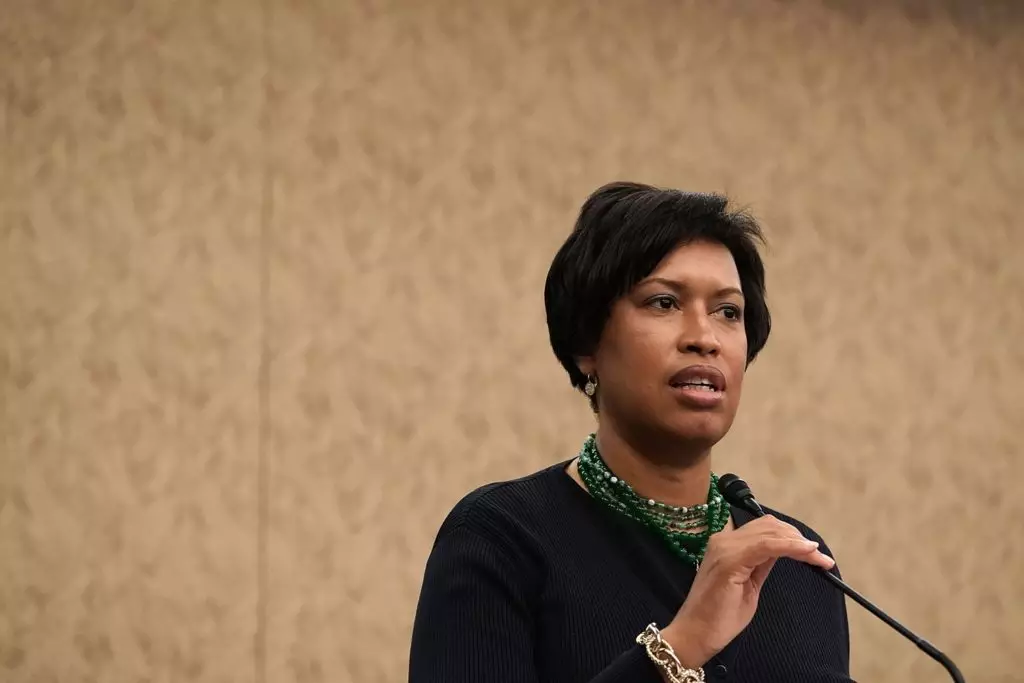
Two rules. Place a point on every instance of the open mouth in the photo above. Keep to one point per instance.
(699, 385)
(699, 378)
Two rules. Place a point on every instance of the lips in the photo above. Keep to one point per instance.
(699, 378)
(699, 387)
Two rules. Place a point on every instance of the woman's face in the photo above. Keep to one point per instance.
(672, 355)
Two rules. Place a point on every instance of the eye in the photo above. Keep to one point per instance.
(662, 302)
(731, 312)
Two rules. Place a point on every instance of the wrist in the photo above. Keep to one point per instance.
(686, 643)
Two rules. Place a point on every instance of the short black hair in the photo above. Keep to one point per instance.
(624, 230)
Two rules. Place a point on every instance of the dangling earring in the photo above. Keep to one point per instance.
(590, 388)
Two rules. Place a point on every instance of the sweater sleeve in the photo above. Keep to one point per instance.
(839, 600)
(475, 618)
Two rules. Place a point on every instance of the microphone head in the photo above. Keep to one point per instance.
(734, 490)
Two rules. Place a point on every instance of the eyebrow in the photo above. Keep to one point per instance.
(680, 287)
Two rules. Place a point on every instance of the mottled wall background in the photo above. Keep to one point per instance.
(271, 303)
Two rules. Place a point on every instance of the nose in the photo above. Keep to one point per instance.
(698, 336)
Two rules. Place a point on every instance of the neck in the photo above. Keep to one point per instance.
(670, 474)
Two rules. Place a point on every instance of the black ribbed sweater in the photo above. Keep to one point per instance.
(534, 581)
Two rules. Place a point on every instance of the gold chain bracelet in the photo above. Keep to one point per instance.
(664, 657)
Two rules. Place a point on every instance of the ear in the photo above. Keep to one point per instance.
(586, 364)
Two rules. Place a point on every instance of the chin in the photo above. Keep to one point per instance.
(706, 429)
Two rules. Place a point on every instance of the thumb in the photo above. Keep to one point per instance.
(760, 574)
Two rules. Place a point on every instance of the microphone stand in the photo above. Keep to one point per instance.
(752, 506)
(926, 647)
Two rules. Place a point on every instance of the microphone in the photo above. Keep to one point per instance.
(738, 494)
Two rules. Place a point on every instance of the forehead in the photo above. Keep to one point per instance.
(709, 261)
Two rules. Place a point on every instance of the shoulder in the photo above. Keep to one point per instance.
(828, 593)
(502, 507)
(499, 530)
(807, 532)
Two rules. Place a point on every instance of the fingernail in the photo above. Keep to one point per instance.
(810, 544)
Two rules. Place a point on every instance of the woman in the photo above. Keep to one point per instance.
(624, 564)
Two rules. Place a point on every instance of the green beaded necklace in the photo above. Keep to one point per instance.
(687, 530)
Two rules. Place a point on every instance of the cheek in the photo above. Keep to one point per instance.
(635, 362)
(737, 387)
(737, 358)
(736, 381)
(631, 345)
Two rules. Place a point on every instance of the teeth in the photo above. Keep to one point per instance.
(703, 385)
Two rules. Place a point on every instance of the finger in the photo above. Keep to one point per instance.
(772, 526)
(760, 575)
(816, 558)
(769, 525)
(765, 547)
(772, 539)
(820, 559)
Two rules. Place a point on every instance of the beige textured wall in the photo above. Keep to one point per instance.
(271, 303)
